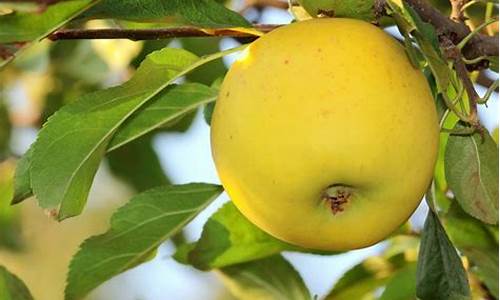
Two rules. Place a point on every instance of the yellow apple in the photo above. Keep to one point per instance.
(324, 135)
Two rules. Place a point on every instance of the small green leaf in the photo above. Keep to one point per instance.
(271, 278)
(427, 40)
(22, 178)
(11, 287)
(208, 110)
(11, 237)
(20, 27)
(229, 238)
(363, 279)
(440, 273)
(181, 254)
(5, 130)
(168, 105)
(25, 27)
(413, 53)
(426, 30)
(471, 169)
(493, 63)
(401, 286)
(137, 229)
(206, 13)
(72, 143)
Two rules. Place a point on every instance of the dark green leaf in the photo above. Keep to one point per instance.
(229, 238)
(208, 110)
(206, 13)
(170, 104)
(72, 143)
(22, 178)
(137, 229)
(11, 287)
(440, 273)
(268, 278)
(138, 165)
(471, 169)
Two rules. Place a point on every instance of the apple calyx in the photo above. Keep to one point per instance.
(337, 196)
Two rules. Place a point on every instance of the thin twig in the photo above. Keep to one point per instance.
(478, 45)
(463, 74)
(488, 93)
(453, 52)
(157, 33)
(457, 12)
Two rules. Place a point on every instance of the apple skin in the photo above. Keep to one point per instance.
(321, 103)
(357, 9)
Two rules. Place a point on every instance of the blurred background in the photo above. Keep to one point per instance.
(38, 249)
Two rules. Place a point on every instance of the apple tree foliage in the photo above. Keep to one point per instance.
(454, 255)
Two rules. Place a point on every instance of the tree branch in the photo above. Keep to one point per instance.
(478, 45)
(157, 33)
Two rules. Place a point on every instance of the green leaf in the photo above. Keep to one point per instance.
(271, 278)
(181, 254)
(440, 273)
(10, 222)
(11, 287)
(493, 63)
(401, 286)
(471, 169)
(25, 27)
(5, 130)
(427, 40)
(229, 238)
(485, 267)
(474, 239)
(72, 143)
(20, 27)
(364, 278)
(203, 46)
(208, 110)
(205, 13)
(136, 230)
(22, 178)
(167, 106)
(425, 30)
(142, 172)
